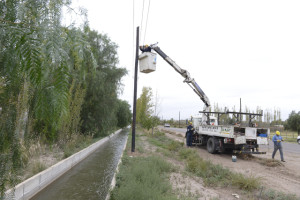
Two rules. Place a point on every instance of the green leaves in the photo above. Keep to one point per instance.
(293, 122)
(54, 81)
(28, 50)
(144, 109)
(123, 114)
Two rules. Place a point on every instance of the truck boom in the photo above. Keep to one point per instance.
(184, 73)
(217, 138)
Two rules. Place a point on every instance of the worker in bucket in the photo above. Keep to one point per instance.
(277, 139)
(189, 134)
(145, 48)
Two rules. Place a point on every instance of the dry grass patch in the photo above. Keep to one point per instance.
(269, 162)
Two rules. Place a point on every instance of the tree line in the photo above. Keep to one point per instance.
(55, 81)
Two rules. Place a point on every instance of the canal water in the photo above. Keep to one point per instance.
(91, 178)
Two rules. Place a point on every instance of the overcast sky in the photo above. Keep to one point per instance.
(233, 49)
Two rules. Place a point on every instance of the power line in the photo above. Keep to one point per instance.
(142, 20)
(133, 28)
(146, 22)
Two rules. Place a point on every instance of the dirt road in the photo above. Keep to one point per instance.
(285, 177)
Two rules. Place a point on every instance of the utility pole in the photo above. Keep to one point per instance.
(240, 111)
(135, 90)
(179, 119)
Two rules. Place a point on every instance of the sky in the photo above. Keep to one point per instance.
(233, 49)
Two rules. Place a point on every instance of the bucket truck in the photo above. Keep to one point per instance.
(217, 138)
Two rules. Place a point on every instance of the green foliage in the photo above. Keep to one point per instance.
(9, 149)
(174, 146)
(248, 183)
(216, 175)
(143, 178)
(100, 107)
(185, 153)
(75, 143)
(150, 122)
(123, 114)
(144, 110)
(37, 167)
(144, 106)
(293, 122)
(54, 81)
(212, 175)
(70, 123)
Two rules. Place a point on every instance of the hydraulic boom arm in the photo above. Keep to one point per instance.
(187, 78)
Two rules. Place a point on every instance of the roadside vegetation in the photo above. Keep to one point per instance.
(212, 175)
(143, 178)
(142, 175)
(59, 86)
(137, 179)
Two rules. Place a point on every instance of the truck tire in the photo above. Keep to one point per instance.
(298, 141)
(211, 145)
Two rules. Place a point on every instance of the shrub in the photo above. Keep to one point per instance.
(174, 146)
(245, 183)
(185, 153)
(37, 167)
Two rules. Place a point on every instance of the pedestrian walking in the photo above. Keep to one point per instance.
(277, 139)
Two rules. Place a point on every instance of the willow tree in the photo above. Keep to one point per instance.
(55, 81)
(99, 112)
(35, 69)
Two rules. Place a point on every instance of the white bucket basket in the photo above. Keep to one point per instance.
(147, 62)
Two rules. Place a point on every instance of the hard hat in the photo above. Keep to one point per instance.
(191, 122)
(277, 133)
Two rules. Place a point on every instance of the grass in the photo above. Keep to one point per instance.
(143, 178)
(217, 175)
(37, 167)
(77, 143)
(248, 183)
(174, 146)
(144, 175)
(212, 175)
(274, 195)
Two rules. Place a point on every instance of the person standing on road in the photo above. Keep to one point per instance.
(277, 139)
(189, 135)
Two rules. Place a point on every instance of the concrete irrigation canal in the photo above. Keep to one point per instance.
(91, 178)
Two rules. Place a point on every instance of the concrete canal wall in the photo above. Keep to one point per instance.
(33, 185)
(113, 182)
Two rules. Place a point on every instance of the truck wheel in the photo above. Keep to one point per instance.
(211, 145)
(298, 141)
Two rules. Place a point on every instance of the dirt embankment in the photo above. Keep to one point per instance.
(284, 177)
